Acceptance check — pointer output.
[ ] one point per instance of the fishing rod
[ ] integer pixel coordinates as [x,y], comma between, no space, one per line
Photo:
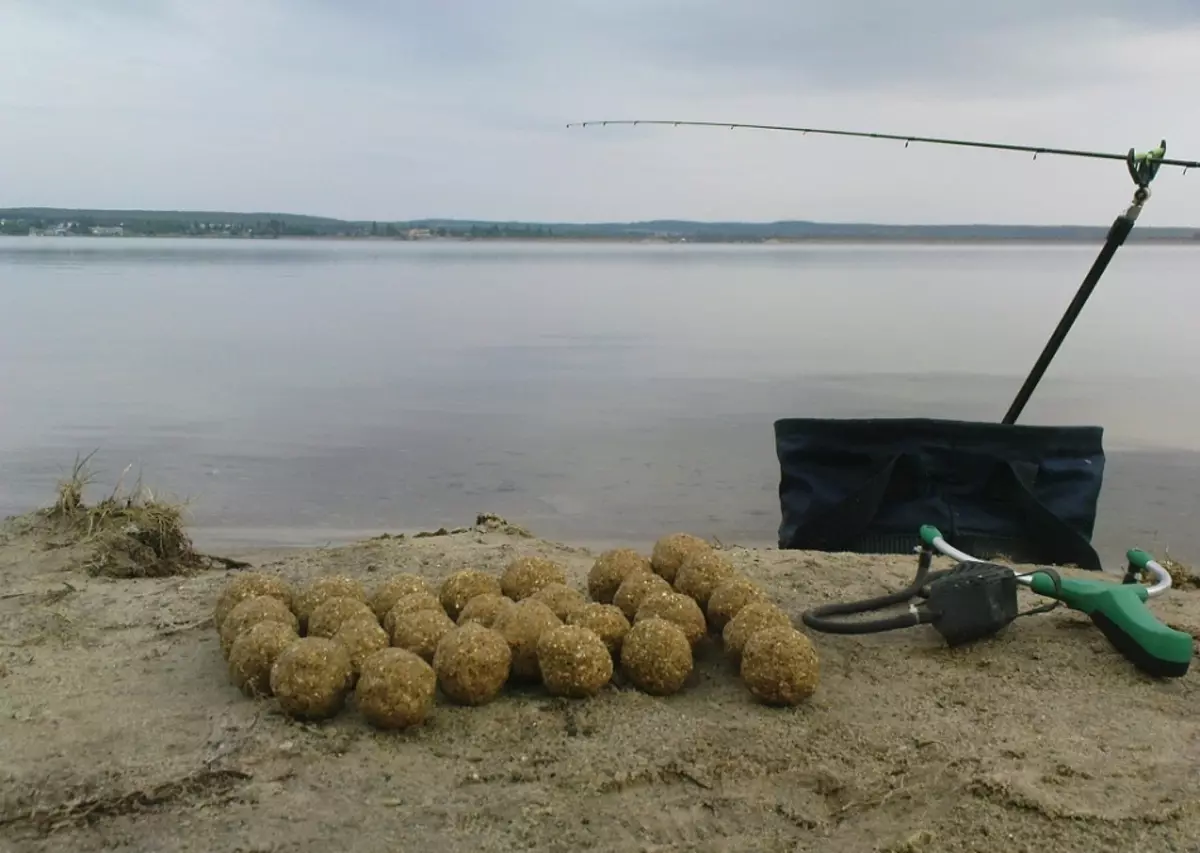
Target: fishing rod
[1142,167]
[1035,150]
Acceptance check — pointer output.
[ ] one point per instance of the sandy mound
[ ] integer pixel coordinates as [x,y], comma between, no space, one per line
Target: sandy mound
[121,731]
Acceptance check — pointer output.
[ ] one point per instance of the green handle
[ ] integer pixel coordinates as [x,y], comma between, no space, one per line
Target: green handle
[929,533]
[1138,558]
[1119,610]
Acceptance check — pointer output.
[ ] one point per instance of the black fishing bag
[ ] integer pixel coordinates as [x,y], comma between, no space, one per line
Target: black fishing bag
[1026,493]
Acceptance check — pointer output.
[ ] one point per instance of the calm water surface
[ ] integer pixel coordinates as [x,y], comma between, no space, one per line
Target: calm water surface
[302,392]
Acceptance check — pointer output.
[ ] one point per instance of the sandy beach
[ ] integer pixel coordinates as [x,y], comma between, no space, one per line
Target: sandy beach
[122,730]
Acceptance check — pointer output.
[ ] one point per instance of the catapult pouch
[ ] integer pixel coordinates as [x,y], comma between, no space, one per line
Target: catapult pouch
[1026,493]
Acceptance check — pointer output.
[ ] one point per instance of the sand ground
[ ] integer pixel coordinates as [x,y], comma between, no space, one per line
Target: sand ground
[120,731]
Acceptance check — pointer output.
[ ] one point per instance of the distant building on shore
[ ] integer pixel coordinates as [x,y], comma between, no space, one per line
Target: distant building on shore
[108,231]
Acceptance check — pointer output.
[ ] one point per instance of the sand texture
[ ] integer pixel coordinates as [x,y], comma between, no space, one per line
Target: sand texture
[120,730]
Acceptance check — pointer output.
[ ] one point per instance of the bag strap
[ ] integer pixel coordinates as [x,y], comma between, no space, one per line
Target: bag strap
[1054,536]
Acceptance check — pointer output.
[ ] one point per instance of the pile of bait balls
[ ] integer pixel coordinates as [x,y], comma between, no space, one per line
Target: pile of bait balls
[398,644]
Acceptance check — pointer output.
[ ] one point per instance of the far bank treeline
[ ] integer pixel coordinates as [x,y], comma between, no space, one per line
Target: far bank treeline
[151,223]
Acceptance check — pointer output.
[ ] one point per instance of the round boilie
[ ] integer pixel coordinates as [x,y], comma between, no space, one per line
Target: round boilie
[656,657]
[610,569]
[700,573]
[677,608]
[574,662]
[728,599]
[393,589]
[671,550]
[606,621]
[522,627]
[251,611]
[462,586]
[311,678]
[410,604]
[253,654]
[332,613]
[751,619]
[361,636]
[472,664]
[526,575]
[420,631]
[316,593]
[250,585]
[635,588]
[780,666]
[396,689]
[560,598]
[484,609]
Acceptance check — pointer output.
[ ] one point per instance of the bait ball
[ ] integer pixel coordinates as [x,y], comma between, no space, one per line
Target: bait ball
[472,664]
[395,689]
[751,619]
[610,569]
[251,611]
[410,604]
[526,575]
[253,654]
[780,666]
[462,586]
[678,609]
[249,585]
[321,589]
[702,572]
[393,589]
[671,550]
[635,588]
[484,609]
[560,598]
[522,627]
[574,662]
[656,656]
[328,616]
[420,631]
[362,637]
[606,621]
[311,678]
[728,599]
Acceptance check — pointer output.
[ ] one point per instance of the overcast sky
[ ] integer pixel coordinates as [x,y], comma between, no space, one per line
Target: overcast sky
[390,109]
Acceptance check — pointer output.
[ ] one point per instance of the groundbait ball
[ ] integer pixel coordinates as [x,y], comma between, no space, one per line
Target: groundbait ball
[702,572]
[484,609]
[574,662]
[560,598]
[635,588]
[393,589]
[462,586]
[728,599]
[780,666]
[311,678]
[420,631]
[610,569]
[656,657]
[606,621]
[332,613]
[362,636]
[522,627]
[321,589]
[526,575]
[251,611]
[250,585]
[253,654]
[671,550]
[677,608]
[410,604]
[751,619]
[472,664]
[396,689]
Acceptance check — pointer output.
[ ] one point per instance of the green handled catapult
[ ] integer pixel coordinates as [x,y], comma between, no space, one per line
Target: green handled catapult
[1117,609]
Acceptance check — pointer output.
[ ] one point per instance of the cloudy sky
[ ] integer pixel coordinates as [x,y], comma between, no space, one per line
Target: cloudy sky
[391,109]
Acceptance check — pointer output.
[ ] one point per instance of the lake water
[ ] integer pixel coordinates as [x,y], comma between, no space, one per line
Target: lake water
[301,392]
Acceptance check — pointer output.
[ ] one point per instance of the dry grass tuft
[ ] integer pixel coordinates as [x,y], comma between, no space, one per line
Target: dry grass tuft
[132,532]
